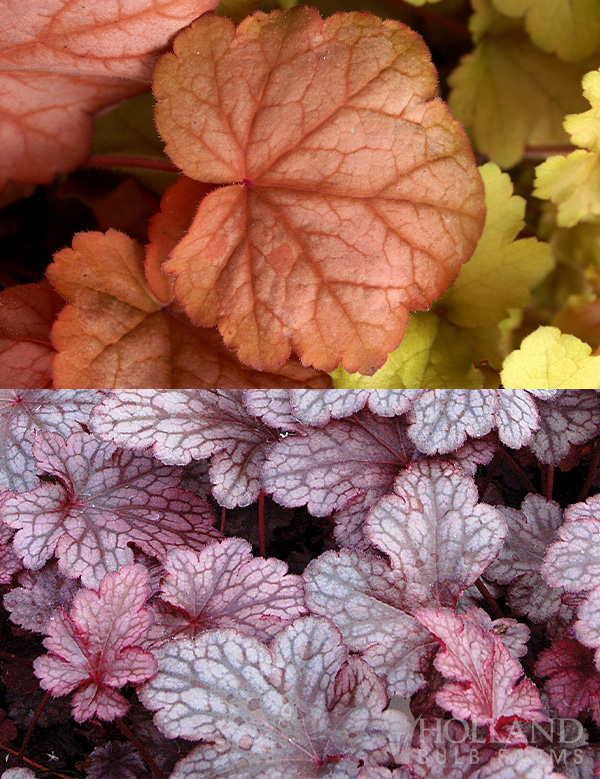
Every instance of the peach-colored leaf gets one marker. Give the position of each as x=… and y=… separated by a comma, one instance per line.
x=353, y=195
x=26, y=316
x=117, y=334
x=63, y=60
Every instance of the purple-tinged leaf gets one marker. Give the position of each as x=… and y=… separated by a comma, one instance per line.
x=527, y=763
x=18, y=773
x=443, y=749
x=105, y=499
x=364, y=597
x=184, y=425
x=573, y=561
x=299, y=708
x=574, y=683
x=272, y=407
x=438, y=537
x=350, y=520
x=441, y=420
x=9, y=562
x=487, y=690
x=22, y=413
x=115, y=761
x=224, y=586
x=571, y=417
x=94, y=649
x=328, y=467
x=530, y=532
x=31, y=605
x=582, y=763
x=514, y=635
x=317, y=407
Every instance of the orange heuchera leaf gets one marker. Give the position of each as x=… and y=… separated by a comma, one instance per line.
x=353, y=196
x=123, y=330
x=63, y=60
x=26, y=353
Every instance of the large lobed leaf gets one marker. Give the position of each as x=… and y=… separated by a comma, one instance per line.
x=123, y=328
x=63, y=60
x=224, y=586
x=487, y=689
x=191, y=424
x=352, y=194
x=300, y=708
x=99, y=500
x=438, y=540
x=94, y=649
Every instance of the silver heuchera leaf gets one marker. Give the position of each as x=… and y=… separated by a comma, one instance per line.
x=571, y=417
x=317, y=407
x=224, y=586
x=328, y=467
x=438, y=537
x=442, y=419
x=365, y=599
x=103, y=499
x=184, y=425
x=530, y=532
x=22, y=413
x=300, y=708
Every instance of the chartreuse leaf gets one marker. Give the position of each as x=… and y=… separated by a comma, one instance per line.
x=569, y=29
x=508, y=93
x=350, y=196
x=502, y=270
x=432, y=354
x=441, y=348
x=573, y=182
x=584, y=128
x=548, y=358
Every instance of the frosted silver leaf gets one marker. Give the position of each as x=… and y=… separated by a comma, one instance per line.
x=184, y=425
x=366, y=601
x=438, y=537
x=530, y=532
x=299, y=707
x=22, y=413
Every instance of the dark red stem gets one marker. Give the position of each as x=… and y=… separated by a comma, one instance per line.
x=261, y=524
x=223, y=510
x=118, y=161
x=591, y=472
x=547, y=481
x=541, y=152
x=30, y=729
x=137, y=744
x=523, y=477
x=35, y=765
x=489, y=599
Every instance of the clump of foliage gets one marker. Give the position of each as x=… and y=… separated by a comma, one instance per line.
x=294, y=205
x=354, y=584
